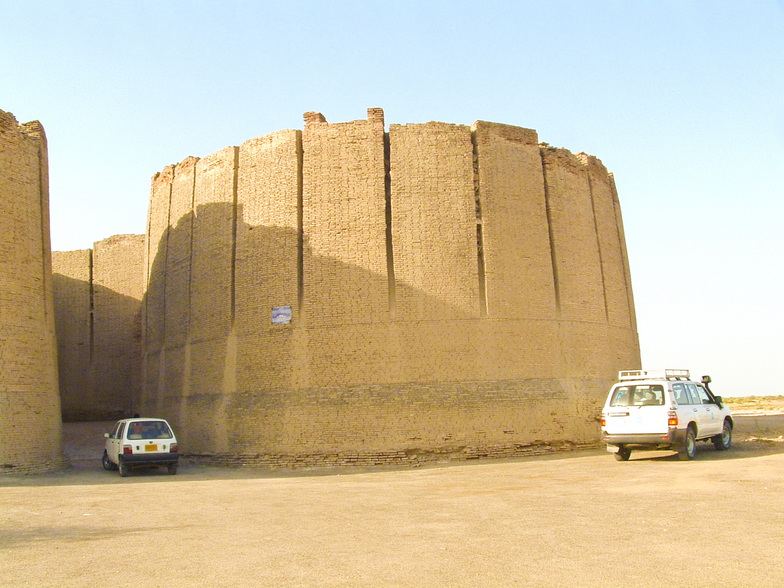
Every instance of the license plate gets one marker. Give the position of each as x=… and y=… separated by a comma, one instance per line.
x=151, y=448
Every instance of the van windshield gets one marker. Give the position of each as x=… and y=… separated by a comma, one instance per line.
x=638, y=395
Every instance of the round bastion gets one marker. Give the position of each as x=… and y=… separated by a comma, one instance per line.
x=348, y=294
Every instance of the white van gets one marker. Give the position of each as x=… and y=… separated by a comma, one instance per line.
x=663, y=409
x=140, y=442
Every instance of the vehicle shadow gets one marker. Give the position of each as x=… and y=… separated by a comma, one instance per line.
x=706, y=452
x=754, y=435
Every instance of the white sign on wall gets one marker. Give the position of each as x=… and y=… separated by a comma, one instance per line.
x=281, y=315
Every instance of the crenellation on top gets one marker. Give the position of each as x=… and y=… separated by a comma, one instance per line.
x=314, y=118
x=186, y=166
x=562, y=157
x=13, y=131
x=120, y=239
x=376, y=116
x=594, y=165
x=7, y=121
x=164, y=176
x=34, y=129
x=510, y=133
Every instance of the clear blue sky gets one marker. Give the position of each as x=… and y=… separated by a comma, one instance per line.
x=682, y=100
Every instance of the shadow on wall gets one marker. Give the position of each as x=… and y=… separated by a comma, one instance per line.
x=216, y=289
x=99, y=350
x=210, y=338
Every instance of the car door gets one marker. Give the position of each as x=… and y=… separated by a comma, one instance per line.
x=687, y=405
x=115, y=442
x=713, y=422
x=701, y=412
x=691, y=411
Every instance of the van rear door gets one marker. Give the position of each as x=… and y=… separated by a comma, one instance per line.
x=636, y=409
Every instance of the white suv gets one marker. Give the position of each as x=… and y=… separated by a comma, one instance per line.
x=140, y=442
x=663, y=409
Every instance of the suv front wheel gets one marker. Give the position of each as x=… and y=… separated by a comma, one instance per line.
x=689, y=448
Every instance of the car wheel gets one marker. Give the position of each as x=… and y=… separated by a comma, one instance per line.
x=722, y=442
x=107, y=463
x=689, y=448
x=623, y=454
x=123, y=469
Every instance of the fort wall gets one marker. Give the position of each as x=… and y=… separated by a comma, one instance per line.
x=73, y=299
x=269, y=262
x=443, y=290
x=118, y=284
x=30, y=423
x=344, y=212
x=514, y=225
x=433, y=222
x=154, y=303
x=97, y=294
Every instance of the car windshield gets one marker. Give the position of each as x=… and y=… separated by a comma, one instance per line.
x=149, y=430
x=638, y=395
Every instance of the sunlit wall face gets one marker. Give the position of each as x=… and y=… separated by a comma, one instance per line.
x=30, y=423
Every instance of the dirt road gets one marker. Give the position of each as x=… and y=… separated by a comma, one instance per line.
x=581, y=519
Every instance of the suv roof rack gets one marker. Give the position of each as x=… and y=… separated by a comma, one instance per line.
x=667, y=374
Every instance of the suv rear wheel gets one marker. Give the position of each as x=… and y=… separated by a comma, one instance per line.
x=623, y=454
x=722, y=442
x=689, y=448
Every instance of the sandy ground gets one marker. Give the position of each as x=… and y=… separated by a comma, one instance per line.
x=579, y=519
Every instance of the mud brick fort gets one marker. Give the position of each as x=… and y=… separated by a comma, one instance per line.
x=30, y=424
x=342, y=294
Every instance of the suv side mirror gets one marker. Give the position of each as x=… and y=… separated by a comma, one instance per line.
x=106, y=435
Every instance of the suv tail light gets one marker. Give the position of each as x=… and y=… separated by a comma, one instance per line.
x=127, y=449
x=604, y=421
x=672, y=419
x=173, y=448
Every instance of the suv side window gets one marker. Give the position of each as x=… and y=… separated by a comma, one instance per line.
x=681, y=395
x=695, y=398
x=704, y=397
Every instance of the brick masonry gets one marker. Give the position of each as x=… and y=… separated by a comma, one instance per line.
x=98, y=295
x=30, y=425
x=454, y=292
x=72, y=279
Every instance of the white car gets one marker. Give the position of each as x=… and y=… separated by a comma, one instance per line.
x=140, y=442
x=663, y=409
